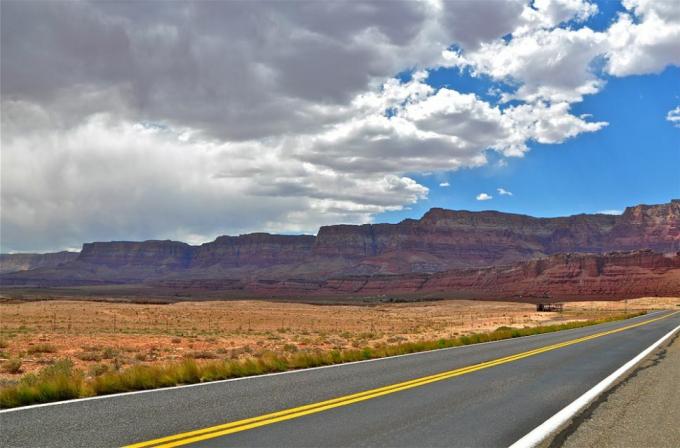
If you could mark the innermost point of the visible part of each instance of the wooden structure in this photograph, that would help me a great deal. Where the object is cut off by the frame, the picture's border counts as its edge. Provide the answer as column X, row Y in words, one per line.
column 553, row 307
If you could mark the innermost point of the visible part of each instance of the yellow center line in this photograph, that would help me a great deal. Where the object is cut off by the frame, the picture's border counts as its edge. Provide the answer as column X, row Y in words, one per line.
column 313, row 408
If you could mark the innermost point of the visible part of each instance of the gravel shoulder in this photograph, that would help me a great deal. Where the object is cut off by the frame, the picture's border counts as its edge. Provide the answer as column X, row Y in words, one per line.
column 641, row 411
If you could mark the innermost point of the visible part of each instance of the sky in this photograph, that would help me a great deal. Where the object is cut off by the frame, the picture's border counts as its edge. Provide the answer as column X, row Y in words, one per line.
column 179, row 120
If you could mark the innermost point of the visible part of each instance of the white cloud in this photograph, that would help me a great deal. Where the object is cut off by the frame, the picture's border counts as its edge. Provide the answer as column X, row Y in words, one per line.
column 674, row 117
column 550, row 13
column 610, row 212
column 444, row 184
column 549, row 123
column 450, row 130
column 504, row 192
column 546, row 64
column 483, row 197
column 551, row 63
column 645, row 38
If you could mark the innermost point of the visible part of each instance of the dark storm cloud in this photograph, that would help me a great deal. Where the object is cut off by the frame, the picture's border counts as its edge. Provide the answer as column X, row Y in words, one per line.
column 236, row 70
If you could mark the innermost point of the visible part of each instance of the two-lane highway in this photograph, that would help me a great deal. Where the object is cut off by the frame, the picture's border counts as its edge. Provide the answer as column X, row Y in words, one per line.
column 480, row 395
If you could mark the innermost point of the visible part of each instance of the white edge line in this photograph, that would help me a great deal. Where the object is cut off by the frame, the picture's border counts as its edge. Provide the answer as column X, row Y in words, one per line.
column 541, row 432
column 287, row 372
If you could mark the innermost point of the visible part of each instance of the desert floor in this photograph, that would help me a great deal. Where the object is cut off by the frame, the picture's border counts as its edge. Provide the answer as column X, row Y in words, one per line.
column 98, row 336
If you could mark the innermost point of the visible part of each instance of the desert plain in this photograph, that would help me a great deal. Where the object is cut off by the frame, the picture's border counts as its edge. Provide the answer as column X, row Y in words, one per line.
column 98, row 336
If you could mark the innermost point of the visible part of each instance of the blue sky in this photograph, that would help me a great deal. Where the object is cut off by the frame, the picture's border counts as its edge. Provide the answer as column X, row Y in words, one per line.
column 635, row 159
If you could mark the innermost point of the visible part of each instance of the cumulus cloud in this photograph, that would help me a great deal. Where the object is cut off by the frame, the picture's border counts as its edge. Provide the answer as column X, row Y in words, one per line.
column 546, row 64
column 550, row 13
column 610, row 212
column 674, row 117
column 444, row 184
column 504, row 192
column 136, row 121
column 483, row 197
column 645, row 38
column 551, row 63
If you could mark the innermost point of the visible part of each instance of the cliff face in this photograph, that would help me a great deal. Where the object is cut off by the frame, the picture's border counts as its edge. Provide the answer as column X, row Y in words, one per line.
column 570, row 277
column 559, row 277
column 161, row 254
column 655, row 227
column 25, row 262
column 441, row 240
column 444, row 239
column 255, row 249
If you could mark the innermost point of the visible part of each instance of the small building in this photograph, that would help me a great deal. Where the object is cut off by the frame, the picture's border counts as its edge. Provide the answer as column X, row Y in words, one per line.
column 552, row 307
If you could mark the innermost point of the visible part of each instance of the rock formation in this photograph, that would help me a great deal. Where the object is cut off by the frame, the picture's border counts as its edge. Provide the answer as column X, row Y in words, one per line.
column 615, row 275
column 458, row 250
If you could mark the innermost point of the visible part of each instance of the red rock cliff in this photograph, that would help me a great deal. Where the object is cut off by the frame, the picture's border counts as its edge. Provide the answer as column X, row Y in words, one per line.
column 255, row 249
column 441, row 240
column 559, row 277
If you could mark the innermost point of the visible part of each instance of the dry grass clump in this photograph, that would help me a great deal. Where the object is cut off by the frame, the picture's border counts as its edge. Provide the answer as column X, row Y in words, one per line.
column 202, row 354
column 61, row 381
column 12, row 365
column 89, row 356
column 41, row 348
column 56, row 382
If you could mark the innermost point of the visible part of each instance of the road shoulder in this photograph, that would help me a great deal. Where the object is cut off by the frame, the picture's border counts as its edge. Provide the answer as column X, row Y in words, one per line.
column 640, row 411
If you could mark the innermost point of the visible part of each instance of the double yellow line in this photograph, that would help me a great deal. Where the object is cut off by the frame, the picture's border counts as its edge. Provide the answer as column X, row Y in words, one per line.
column 289, row 414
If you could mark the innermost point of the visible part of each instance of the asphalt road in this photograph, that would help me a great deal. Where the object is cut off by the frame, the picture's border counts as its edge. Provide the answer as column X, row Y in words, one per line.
column 493, row 406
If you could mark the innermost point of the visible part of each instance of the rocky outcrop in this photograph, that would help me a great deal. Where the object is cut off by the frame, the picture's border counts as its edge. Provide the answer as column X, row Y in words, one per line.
column 655, row 227
column 25, row 262
column 569, row 277
column 616, row 275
